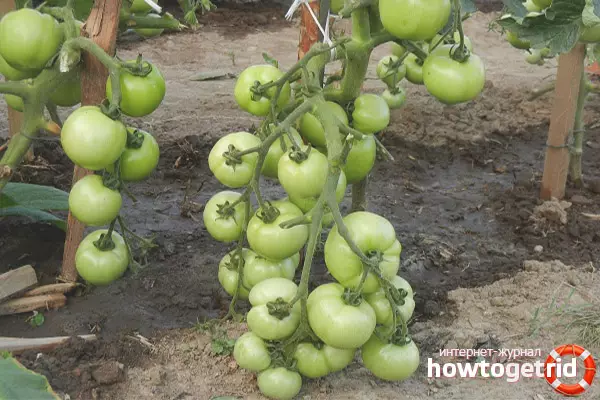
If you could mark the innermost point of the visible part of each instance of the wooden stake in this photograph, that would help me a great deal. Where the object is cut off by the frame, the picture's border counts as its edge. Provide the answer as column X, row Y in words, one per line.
column 556, row 165
column 19, row 345
column 309, row 31
column 62, row 288
column 101, row 26
column 17, row 281
column 27, row 304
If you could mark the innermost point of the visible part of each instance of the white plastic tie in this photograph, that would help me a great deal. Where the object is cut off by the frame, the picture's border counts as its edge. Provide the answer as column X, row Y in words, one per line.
column 295, row 5
column 325, row 32
column 155, row 6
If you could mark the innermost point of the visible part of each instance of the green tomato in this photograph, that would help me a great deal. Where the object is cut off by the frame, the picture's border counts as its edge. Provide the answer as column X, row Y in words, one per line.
column 138, row 163
column 141, row 95
column 312, row 129
column 307, row 203
column 531, row 6
column 388, row 361
column 375, row 236
column 230, row 173
column 270, row 326
column 149, row 32
column 450, row 81
column 414, row 19
column 390, row 76
column 263, row 74
column 13, row 74
column 517, row 43
column 314, row 362
column 277, row 149
column 258, row 269
column 91, row 139
column 141, row 7
column 224, row 227
column 273, row 242
column 99, row 267
column 414, row 69
column 279, row 383
column 361, row 159
column 29, row 39
column 336, row 6
column 68, row 94
column 251, row 353
column 535, row 57
column 590, row 34
column 14, row 102
column 371, row 113
column 394, row 100
column 398, row 50
column 337, row 323
column 541, row 4
column 306, row 178
column 229, row 276
column 383, row 308
column 93, row 203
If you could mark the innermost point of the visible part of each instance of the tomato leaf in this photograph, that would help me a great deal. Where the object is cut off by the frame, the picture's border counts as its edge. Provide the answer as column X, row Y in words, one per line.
column 270, row 60
column 34, row 196
column 516, row 8
column 591, row 13
column 19, row 383
column 468, row 6
column 34, row 214
column 558, row 28
column 222, row 346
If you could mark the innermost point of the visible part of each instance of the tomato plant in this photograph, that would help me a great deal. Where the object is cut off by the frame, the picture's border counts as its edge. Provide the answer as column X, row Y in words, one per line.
column 320, row 360
column 303, row 173
column 225, row 226
column 371, row 113
column 251, row 353
column 390, row 70
column 311, row 128
column 227, row 161
column 394, row 98
column 414, row 19
column 247, row 95
column 389, row 361
column 92, row 203
column 279, row 383
column 102, row 266
column 140, row 156
column 277, row 149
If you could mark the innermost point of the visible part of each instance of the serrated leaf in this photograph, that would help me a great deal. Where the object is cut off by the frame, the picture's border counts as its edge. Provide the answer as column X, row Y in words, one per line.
column 19, row 383
column 591, row 13
column 34, row 214
column 270, row 60
column 34, row 196
column 516, row 8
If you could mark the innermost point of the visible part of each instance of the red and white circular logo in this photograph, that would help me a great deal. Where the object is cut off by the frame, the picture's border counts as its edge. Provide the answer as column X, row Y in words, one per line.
column 552, row 369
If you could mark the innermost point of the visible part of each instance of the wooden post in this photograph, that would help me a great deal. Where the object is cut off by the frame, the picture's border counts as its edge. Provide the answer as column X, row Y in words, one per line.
column 101, row 26
column 309, row 31
column 556, row 165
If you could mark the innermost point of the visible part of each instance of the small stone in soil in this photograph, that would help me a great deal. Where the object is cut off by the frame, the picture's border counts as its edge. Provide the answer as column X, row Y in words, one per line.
column 108, row 373
column 579, row 199
column 538, row 248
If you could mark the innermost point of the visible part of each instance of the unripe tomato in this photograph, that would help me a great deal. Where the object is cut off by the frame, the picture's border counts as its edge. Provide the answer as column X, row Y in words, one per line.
column 251, row 353
column 258, row 269
column 371, row 113
column 535, row 57
column 138, row 163
column 361, row 159
column 14, row 102
column 91, row 139
column 517, row 43
column 414, row 19
column 394, row 100
column 382, row 307
column 29, row 39
column 388, row 361
column 140, row 95
column 13, row 74
column 228, row 172
column 93, row 203
column 390, row 76
column 590, row 34
column 414, row 69
column 140, row 7
column 268, row 326
column 398, row 50
column 314, row 362
column 262, row 74
column 539, row 3
column 307, row 203
column 306, row 178
column 224, row 227
column 273, row 242
column 100, row 267
column 312, row 129
column 229, row 276
column 455, row 39
column 149, row 32
column 68, row 94
column 336, row 6
column 337, row 323
column 279, row 383
column 276, row 150
column 451, row 81
column 374, row 235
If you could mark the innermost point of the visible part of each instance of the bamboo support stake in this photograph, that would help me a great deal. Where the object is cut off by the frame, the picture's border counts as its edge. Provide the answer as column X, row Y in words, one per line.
column 101, row 26
column 556, row 165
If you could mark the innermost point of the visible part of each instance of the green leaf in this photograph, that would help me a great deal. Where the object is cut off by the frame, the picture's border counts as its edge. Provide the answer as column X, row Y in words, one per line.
column 591, row 13
column 558, row 28
column 37, row 319
column 19, row 383
column 222, row 346
column 516, row 8
column 34, row 214
column 270, row 60
column 34, row 196
column 468, row 6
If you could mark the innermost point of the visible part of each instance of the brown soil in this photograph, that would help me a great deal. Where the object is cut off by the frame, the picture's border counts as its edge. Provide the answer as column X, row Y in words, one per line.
column 461, row 194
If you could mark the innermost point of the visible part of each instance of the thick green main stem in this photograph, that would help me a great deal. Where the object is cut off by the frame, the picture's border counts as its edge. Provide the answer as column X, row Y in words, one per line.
column 578, row 134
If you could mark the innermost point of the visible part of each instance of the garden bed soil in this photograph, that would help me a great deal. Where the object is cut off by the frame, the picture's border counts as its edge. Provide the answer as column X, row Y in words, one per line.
column 462, row 194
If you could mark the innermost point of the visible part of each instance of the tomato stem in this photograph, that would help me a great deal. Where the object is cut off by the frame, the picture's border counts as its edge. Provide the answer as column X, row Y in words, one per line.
column 578, row 134
column 461, row 54
column 351, row 6
column 105, row 242
column 166, row 21
column 359, row 195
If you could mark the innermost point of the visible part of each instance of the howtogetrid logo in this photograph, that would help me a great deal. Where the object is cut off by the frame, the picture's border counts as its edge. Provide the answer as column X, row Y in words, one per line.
column 554, row 369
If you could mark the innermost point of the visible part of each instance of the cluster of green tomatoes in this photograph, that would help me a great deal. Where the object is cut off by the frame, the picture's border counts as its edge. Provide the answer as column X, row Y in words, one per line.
column 90, row 138
column 344, row 316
